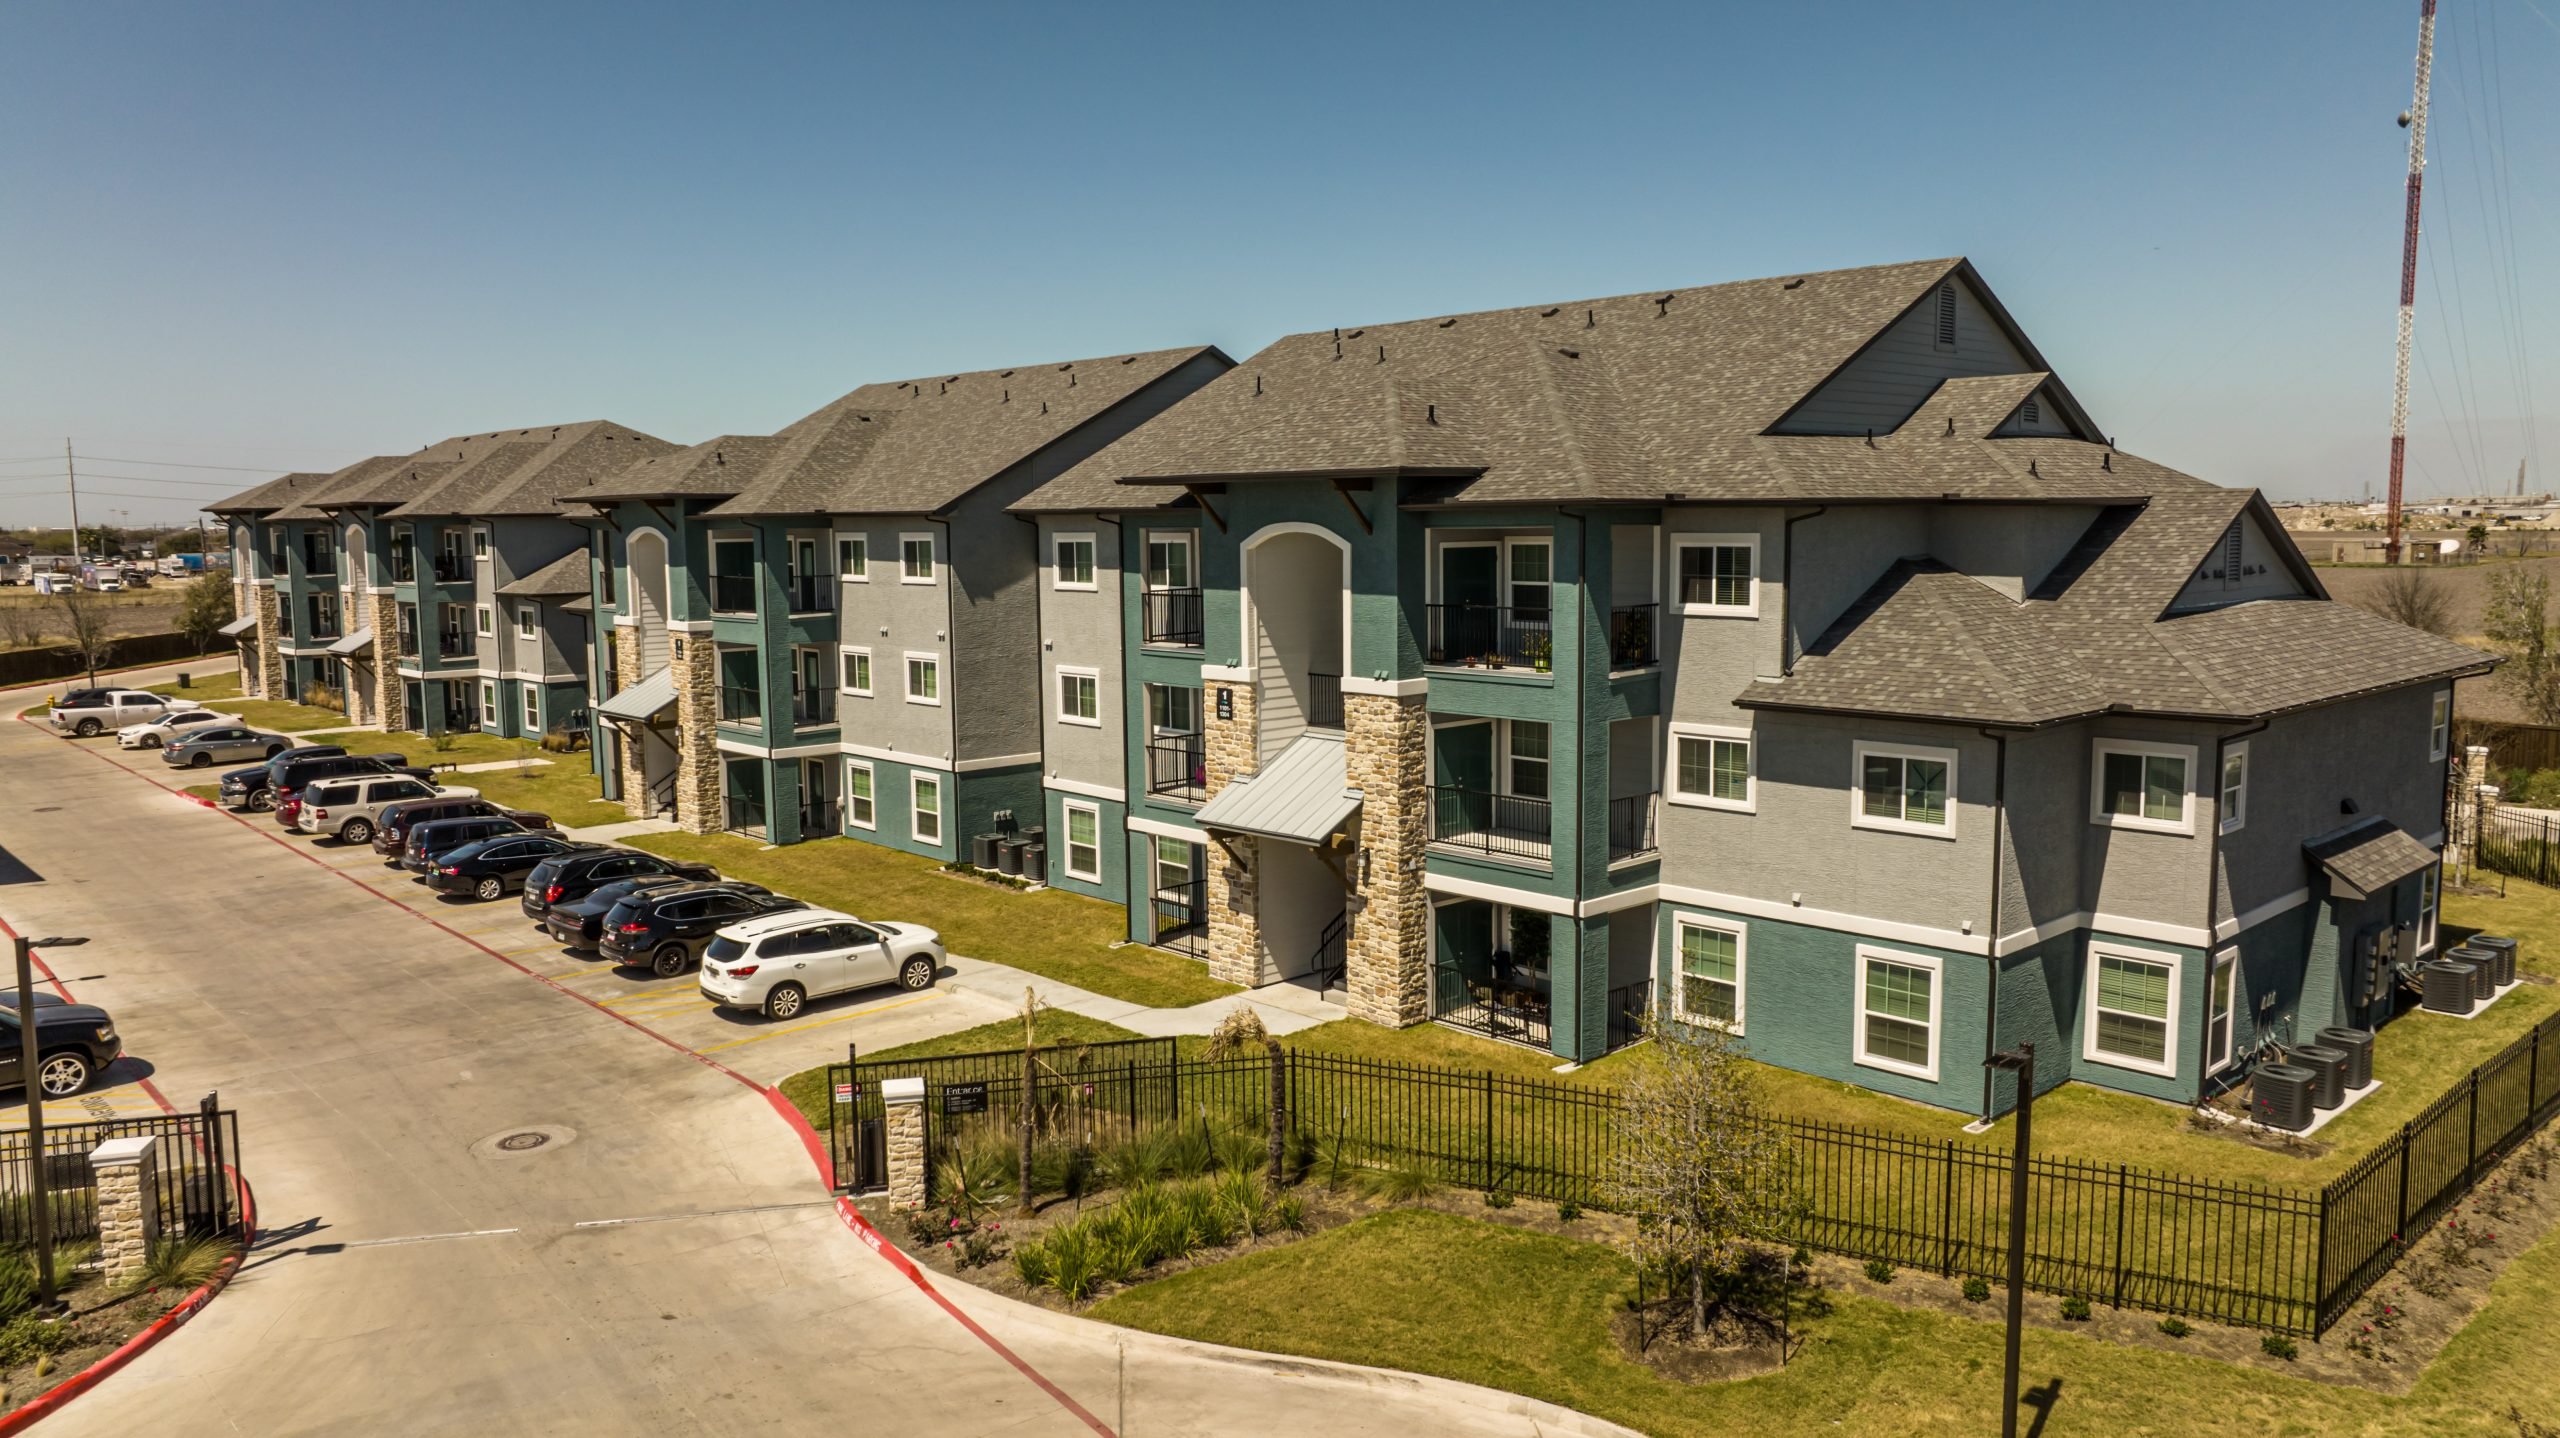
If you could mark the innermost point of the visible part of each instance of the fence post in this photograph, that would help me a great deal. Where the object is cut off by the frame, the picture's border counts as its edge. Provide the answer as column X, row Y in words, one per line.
column 2320, row 1267
column 2471, row 1137
column 1279, row 1061
column 2400, row 1214
column 1488, row 1130
column 2118, row 1301
column 1947, row 1211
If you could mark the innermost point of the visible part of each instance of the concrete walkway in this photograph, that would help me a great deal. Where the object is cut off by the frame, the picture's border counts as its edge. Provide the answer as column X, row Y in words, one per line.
column 1283, row 1008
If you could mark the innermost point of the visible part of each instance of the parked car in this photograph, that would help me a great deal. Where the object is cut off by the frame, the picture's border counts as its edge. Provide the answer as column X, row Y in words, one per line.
column 225, row 742
column 776, row 963
column 296, row 772
column 177, row 723
column 432, row 839
column 664, row 930
column 44, row 999
column 255, row 789
column 391, row 827
column 573, row 876
column 73, row 1042
column 495, row 867
column 580, row 923
column 349, row 807
column 91, row 712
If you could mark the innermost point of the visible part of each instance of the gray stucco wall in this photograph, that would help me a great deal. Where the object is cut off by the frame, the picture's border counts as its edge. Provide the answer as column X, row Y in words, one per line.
column 2263, row 573
column 2138, row 873
column 1880, row 388
column 2304, row 767
column 1080, row 628
column 995, row 627
column 892, row 618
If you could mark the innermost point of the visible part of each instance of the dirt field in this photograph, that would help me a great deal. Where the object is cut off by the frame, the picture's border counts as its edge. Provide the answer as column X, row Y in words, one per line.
column 2469, row 586
column 28, row 618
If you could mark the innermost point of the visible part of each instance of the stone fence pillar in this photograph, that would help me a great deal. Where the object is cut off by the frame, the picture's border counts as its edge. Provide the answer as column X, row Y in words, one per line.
column 904, row 1100
column 128, row 1171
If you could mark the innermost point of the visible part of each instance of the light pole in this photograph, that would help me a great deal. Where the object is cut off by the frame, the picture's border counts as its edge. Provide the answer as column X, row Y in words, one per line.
column 33, row 1086
column 2022, row 1062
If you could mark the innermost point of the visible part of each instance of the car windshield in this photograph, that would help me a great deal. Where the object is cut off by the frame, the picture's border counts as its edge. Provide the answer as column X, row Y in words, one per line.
column 724, row 949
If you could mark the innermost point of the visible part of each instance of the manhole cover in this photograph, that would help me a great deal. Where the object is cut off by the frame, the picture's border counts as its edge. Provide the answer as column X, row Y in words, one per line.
column 519, row 1142
column 515, row 1143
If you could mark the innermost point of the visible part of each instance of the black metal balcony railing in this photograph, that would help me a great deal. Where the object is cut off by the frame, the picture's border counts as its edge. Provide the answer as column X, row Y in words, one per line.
column 1631, row 636
column 733, row 593
column 321, row 564
column 741, row 705
column 811, row 593
column 1631, row 826
column 1181, row 913
column 322, row 626
column 451, row 568
column 408, row 644
column 815, row 706
column 1520, row 1013
column 1172, row 617
column 1176, row 767
column 404, row 567
column 1494, row 636
column 1627, row 1008
column 746, row 812
column 460, row 719
column 821, row 818
column 452, row 644
column 1324, row 701
column 1505, row 825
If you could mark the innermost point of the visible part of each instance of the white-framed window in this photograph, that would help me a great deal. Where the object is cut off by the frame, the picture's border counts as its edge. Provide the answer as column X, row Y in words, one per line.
column 2428, row 880
column 1529, row 581
column 2132, row 1019
column 924, row 797
column 1084, row 840
column 1903, row 788
column 2235, row 786
column 1899, row 997
column 532, row 709
column 1719, row 574
column 924, row 678
column 2440, row 725
column 1708, row 987
column 1075, row 561
column 1711, row 767
column 853, row 558
column 1169, row 559
column 480, row 544
column 1173, row 863
column 857, row 671
column 2222, row 1012
column 2139, row 785
column 915, row 559
column 488, row 702
column 1079, row 695
column 1525, row 748
column 486, row 618
column 861, row 803
column 524, row 621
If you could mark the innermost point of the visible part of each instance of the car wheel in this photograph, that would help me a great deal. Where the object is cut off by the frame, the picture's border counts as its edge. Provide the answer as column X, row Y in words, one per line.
column 152, row 741
column 263, row 802
column 356, row 831
column 784, row 1001
column 917, row 973
column 199, row 759
column 62, row 1075
column 669, row 961
column 86, row 728
column 490, row 888
column 274, row 749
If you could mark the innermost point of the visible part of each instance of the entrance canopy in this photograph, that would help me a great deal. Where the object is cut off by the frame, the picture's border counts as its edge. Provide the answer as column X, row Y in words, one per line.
column 1302, row 796
column 355, row 643
column 240, row 626
column 643, row 701
column 2369, row 858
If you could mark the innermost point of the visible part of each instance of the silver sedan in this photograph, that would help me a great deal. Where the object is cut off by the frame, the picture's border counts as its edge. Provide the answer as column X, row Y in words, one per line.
column 225, row 743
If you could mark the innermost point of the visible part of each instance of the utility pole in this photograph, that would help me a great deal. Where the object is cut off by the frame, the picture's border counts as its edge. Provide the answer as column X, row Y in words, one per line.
column 2416, row 120
column 72, row 472
column 40, row 1203
column 2022, row 1062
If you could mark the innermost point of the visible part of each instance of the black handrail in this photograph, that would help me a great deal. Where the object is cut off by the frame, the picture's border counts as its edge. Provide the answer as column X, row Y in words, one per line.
column 1631, row 629
column 452, row 644
column 451, row 568
column 1631, row 826
column 741, row 704
column 1507, row 824
column 1324, row 700
column 1333, row 953
column 733, row 593
column 811, row 593
column 812, row 707
column 1173, row 616
column 1491, row 636
column 746, row 811
column 821, row 819
column 1176, row 767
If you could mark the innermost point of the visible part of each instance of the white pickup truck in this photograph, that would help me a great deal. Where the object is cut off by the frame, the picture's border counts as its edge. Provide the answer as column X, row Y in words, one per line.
column 89, row 712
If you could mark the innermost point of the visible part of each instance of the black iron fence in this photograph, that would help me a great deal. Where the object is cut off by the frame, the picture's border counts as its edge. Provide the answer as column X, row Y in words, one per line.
column 197, row 1195
column 811, row 593
column 2523, row 845
column 1181, row 918
column 452, row 644
column 1324, row 700
column 1631, row 643
column 733, row 593
column 1176, row 767
column 1631, row 826
column 812, row 707
column 1495, row 635
column 1507, row 825
column 451, row 568
column 821, row 819
column 741, row 703
column 1172, row 616
column 746, row 812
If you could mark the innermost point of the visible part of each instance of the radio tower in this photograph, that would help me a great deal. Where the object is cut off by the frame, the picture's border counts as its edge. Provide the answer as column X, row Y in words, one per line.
column 2416, row 120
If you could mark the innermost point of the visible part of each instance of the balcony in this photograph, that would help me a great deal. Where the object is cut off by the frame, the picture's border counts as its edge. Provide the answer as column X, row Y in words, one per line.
column 1631, row 631
column 1631, row 828
column 404, row 567
column 814, row 707
column 453, row 644
column 460, row 720
column 1516, row 1015
column 811, row 593
column 1490, row 636
column 746, row 813
column 1176, row 768
column 1324, row 701
column 741, row 705
column 1500, row 826
column 322, row 626
column 821, row 818
column 451, row 569
column 733, row 594
column 408, row 641
column 1172, row 617
column 322, row 565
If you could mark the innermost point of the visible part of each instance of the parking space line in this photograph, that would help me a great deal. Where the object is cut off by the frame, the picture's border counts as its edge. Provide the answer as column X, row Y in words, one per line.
column 816, row 1023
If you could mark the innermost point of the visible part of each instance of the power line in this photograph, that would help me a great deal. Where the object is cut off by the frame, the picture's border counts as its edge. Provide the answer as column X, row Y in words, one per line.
column 175, row 464
column 229, row 485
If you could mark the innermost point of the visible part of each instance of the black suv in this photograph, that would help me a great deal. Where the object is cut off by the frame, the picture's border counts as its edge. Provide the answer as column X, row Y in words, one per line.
column 391, row 827
column 493, row 866
column 73, row 1042
column 255, row 788
column 579, row 923
column 666, row 930
column 296, row 771
column 431, row 841
column 573, row 876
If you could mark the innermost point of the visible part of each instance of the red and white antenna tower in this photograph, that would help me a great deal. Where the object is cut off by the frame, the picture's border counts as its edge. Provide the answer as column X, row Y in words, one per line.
column 2416, row 120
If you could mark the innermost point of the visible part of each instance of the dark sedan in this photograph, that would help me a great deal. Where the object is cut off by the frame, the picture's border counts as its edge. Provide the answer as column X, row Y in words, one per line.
column 666, row 930
column 579, row 923
column 73, row 1042
column 493, row 868
column 573, row 876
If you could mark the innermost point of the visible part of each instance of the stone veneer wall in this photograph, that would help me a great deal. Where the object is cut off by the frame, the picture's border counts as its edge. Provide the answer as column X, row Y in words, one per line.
column 390, row 708
column 696, row 668
column 627, row 744
column 1228, row 750
column 1389, row 954
column 270, row 651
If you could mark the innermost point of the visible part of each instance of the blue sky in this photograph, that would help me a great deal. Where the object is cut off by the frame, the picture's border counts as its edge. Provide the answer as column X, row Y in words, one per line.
column 287, row 236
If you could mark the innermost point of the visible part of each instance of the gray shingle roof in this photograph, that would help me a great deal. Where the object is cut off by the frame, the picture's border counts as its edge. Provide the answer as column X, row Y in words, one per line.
column 562, row 578
column 2370, row 857
column 283, row 492
column 523, row 471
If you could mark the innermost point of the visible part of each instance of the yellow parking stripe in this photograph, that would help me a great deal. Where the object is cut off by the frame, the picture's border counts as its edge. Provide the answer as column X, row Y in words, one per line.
column 775, row 1033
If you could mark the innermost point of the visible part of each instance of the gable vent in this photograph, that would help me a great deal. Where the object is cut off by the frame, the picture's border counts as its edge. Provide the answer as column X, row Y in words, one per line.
column 1946, row 317
column 2030, row 414
column 2231, row 554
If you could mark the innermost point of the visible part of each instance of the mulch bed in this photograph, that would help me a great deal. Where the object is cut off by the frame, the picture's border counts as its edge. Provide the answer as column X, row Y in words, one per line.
column 102, row 1324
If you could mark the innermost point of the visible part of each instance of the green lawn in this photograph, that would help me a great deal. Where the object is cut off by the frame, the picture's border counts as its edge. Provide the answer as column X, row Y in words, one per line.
column 281, row 717
column 808, row 1091
column 1054, row 934
column 210, row 793
column 209, row 688
column 1529, row 1313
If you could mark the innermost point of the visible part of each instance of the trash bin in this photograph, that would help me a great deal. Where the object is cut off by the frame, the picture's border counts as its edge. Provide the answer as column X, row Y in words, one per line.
column 184, row 680
column 1035, row 863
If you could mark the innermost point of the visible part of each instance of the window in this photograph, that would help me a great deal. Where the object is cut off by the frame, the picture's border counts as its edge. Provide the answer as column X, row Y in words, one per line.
column 1084, row 841
column 1898, row 1012
column 488, row 700
column 1075, row 561
column 857, row 672
column 1172, row 709
column 486, row 619
column 926, row 792
column 1079, row 696
column 1169, row 561
column 915, row 559
column 1711, row 767
column 532, row 709
column 2222, row 1008
column 1173, row 863
column 924, row 679
column 2235, row 787
column 2133, row 1015
column 853, row 558
column 480, row 544
column 2428, row 879
column 1528, row 770
column 524, row 621
column 1719, row 575
column 2440, row 725
column 605, row 579
column 733, row 575
column 859, row 801
column 1908, row 790
column 1710, row 979
column 1532, row 592
column 1946, row 317
column 2142, row 786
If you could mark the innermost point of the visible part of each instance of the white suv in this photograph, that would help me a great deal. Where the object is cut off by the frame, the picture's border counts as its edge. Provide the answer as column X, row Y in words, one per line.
column 778, row 962
column 351, row 807
column 176, row 724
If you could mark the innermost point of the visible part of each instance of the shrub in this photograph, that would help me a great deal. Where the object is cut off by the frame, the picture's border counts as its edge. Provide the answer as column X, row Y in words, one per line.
column 1802, row 1257
column 1031, row 1265
column 2175, row 1327
column 1242, row 1196
column 2276, row 1345
column 924, row 1226
column 1189, row 1151
column 17, row 1285
column 185, row 1263
column 2076, row 1309
column 1399, row 1182
column 1060, row 1167
column 978, row 1245
column 1976, row 1290
column 1497, row 1198
column 1243, row 1150
column 1134, row 1161
column 1879, row 1271
column 1073, row 1262
column 1289, row 1213
column 1568, row 1211
column 28, row 1338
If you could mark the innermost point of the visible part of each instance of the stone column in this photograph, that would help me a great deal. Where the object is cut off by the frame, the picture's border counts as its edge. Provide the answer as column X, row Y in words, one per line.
column 1385, row 741
column 128, row 1171
column 1230, row 747
column 390, row 692
column 271, row 650
column 696, row 667
column 903, row 1100
column 627, row 746
column 1235, row 919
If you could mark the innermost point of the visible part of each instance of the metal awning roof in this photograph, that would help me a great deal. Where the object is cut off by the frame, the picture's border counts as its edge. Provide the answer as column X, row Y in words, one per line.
column 1301, row 796
column 355, row 643
column 240, row 626
column 642, row 701
column 2369, row 858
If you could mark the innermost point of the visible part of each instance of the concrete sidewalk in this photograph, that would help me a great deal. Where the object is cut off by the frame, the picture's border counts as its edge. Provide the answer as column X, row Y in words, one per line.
column 1283, row 1008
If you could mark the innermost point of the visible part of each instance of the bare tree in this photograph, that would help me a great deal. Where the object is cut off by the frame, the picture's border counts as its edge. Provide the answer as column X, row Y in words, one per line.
column 1695, row 1164
column 2416, row 597
column 2517, row 622
column 22, row 626
column 84, row 623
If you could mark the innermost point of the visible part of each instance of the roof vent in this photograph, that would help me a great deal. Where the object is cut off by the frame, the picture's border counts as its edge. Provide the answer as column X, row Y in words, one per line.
column 1549, row 313
column 1008, row 374
column 718, row 458
column 1662, row 306
column 1946, row 316
column 1591, row 319
column 1431, row 413
column 1355, row 334
column 1382, row 354
column 1795, row 284
column 1133, row 359
column 1570, row 354
column 1444, row 324
column 2029, row 414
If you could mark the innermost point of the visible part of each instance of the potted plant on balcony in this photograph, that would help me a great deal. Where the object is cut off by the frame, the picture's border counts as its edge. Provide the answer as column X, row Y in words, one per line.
column 1541, row 651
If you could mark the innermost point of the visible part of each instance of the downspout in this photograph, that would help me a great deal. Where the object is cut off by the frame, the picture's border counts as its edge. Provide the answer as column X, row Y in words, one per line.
column 1991, row 949
column 2212, row 892
column 1787, row 591
column 1581, row 781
